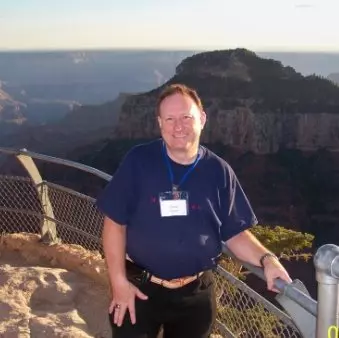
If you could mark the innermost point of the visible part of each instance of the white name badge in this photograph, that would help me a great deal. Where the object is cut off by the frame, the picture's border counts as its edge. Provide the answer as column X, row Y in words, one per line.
column 173, row 203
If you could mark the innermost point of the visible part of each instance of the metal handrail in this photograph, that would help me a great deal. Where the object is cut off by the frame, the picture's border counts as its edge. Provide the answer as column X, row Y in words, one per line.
column 305, row 301
column 57, row 160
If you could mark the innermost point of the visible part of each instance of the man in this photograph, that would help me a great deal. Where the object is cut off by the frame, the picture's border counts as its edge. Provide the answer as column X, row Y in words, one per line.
column 168, row 208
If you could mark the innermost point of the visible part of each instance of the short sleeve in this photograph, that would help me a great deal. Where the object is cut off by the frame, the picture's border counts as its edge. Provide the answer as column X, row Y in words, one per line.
column 236, row 212
column 118, row 197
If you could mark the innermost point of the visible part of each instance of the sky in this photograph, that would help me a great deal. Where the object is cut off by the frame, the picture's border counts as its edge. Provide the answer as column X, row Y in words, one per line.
column 261, row 25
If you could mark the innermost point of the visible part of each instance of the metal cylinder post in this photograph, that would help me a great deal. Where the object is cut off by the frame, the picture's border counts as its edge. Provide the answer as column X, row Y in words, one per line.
column 326, row 262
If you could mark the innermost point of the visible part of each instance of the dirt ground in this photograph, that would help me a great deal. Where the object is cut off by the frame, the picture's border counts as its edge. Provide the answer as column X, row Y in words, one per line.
column 51, row 291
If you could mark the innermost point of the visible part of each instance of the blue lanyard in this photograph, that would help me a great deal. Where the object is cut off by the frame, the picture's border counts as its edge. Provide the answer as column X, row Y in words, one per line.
column 170, row 171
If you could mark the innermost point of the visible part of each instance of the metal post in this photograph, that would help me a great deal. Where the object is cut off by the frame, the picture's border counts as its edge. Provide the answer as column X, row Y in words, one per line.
column 48, row 226
column 326, row 262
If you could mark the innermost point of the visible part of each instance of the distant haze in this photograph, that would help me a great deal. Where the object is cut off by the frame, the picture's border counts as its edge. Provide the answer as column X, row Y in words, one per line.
column 86, row 77
column 307, row 63
column 92, row 77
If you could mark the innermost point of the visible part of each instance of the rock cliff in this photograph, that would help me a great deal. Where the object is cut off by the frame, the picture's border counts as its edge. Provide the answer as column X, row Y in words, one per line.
column 252, row 103
column 10, row 109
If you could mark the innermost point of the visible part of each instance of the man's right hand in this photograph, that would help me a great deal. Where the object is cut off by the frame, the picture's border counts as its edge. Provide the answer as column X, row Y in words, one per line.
column 124, row 294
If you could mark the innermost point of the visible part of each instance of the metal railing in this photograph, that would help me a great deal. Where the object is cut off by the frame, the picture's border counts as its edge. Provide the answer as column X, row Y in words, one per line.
column 60, row 214
column 326, row 261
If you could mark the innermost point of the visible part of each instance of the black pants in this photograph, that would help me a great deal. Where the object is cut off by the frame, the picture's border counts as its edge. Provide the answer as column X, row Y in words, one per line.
column 186, row 312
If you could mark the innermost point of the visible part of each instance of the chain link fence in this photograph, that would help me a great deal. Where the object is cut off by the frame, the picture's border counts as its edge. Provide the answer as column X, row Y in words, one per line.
column 241, row 311
column 20, row 206
column 245, row 313
column 78, row 220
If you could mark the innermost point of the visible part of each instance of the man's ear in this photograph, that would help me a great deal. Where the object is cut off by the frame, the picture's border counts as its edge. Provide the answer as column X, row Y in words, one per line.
column 159, row 121
column 203, row 119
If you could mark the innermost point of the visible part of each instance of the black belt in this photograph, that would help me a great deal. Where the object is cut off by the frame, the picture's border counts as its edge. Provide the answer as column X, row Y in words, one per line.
column 137, row 273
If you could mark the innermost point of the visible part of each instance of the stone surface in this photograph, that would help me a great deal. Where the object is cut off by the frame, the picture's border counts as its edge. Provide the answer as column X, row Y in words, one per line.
column 40, row 301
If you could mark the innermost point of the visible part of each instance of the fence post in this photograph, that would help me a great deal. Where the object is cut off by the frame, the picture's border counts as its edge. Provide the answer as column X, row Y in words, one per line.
column 326, row 262
column 48, row 226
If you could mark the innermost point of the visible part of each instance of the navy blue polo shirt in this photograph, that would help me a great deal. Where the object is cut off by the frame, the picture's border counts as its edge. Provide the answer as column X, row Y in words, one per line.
column 172, row 247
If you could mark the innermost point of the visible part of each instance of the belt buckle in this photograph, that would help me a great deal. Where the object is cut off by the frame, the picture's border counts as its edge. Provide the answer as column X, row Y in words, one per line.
column 180, row 281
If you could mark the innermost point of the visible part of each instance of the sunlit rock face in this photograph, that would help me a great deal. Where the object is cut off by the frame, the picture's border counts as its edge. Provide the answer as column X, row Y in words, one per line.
column 252, row 103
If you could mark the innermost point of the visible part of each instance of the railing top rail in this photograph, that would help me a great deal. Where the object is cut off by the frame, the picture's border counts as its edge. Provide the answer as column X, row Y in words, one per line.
column 56, row 160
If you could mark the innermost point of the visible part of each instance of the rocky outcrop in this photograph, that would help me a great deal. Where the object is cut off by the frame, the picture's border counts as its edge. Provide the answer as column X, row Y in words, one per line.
column 81, row 126
column 21, row 110
column 267, row 132
column 252, row 103
column 10, row 109
column 90, row 118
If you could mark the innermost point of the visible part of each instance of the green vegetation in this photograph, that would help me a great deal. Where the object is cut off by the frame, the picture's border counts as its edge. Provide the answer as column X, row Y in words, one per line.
column 283, row 242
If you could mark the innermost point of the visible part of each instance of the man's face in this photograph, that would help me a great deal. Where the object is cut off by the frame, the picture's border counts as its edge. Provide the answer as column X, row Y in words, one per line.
column 181, row 122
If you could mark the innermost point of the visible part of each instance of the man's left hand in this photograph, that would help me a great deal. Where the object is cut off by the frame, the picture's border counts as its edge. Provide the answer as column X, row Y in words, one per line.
column 272, row 270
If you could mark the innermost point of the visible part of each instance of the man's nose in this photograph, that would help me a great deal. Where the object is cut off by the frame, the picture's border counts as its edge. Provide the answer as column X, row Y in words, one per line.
column 178, row 124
